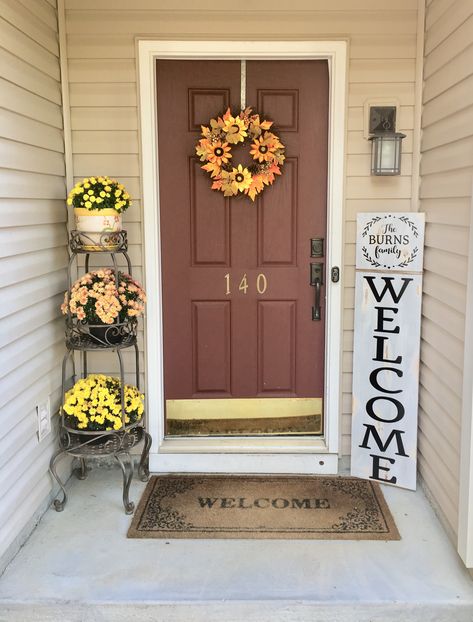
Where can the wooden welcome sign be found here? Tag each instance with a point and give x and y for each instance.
(388, 291)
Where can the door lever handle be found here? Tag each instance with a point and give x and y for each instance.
(316, 280)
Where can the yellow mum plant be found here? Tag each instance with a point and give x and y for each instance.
(99, 193)
(94, 404)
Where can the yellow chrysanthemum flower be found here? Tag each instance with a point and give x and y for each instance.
(113, 195)
(81, 414)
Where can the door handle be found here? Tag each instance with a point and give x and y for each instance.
(316, 280)
(316, 307)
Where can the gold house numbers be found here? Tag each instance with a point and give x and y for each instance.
(261, 284)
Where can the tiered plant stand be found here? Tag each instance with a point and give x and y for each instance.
(84, 338)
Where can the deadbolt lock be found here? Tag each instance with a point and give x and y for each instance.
(317, 247)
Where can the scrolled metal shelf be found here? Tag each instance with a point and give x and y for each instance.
(81, 336)
(99, 443)
(94, 242)
(85, 444)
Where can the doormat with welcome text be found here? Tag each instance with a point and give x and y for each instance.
(303, 507)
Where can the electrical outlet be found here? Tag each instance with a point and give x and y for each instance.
(43, 412)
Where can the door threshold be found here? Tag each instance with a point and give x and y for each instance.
(243, 444)
(274, 463)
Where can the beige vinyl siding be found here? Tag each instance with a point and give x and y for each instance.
(103, 93)
(33, 255)
(446, 183)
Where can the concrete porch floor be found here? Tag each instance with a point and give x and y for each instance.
(78, 566)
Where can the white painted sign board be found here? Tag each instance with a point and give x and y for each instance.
(388, 294)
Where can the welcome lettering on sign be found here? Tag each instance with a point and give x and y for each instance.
(388, 294)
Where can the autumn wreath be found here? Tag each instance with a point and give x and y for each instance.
(215, 148)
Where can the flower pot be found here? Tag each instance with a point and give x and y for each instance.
(102, 443)
(98, 228)
(108, 334)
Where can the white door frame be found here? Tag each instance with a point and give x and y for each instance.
(240, 454)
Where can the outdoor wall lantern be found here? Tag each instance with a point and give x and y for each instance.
(386, 143)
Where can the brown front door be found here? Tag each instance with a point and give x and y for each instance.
(242, 353)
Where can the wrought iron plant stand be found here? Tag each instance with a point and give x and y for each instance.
(84, 338)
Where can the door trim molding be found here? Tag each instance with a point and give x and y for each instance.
(291, 455)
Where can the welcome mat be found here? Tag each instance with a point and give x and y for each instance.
(303, 507)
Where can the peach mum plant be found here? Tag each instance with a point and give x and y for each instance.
(99, 298)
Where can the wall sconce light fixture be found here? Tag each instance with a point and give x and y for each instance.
(386, 145)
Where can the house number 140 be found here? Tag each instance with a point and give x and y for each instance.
(261, 284)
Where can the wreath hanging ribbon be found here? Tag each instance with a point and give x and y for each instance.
(215, 149)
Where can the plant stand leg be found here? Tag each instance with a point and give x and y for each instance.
(58, 504)
(143, 469)
(124, 460)
(81, 472)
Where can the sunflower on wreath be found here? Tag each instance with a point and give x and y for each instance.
(215, 150)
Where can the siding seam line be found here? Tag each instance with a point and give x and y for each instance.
(450, 60)
(22, 2)
(38, 69)
(49, 101)
(25, 34)
(452, 32)
(53, 34)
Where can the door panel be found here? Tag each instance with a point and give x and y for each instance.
(277, 221)
(276, 352)
(210, 223)
(211, 341)
(237, 303)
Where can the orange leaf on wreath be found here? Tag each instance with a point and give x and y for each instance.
(256, 187)
(212, 168)
(274, 170)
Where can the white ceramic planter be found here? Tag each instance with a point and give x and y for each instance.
(97, 227)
